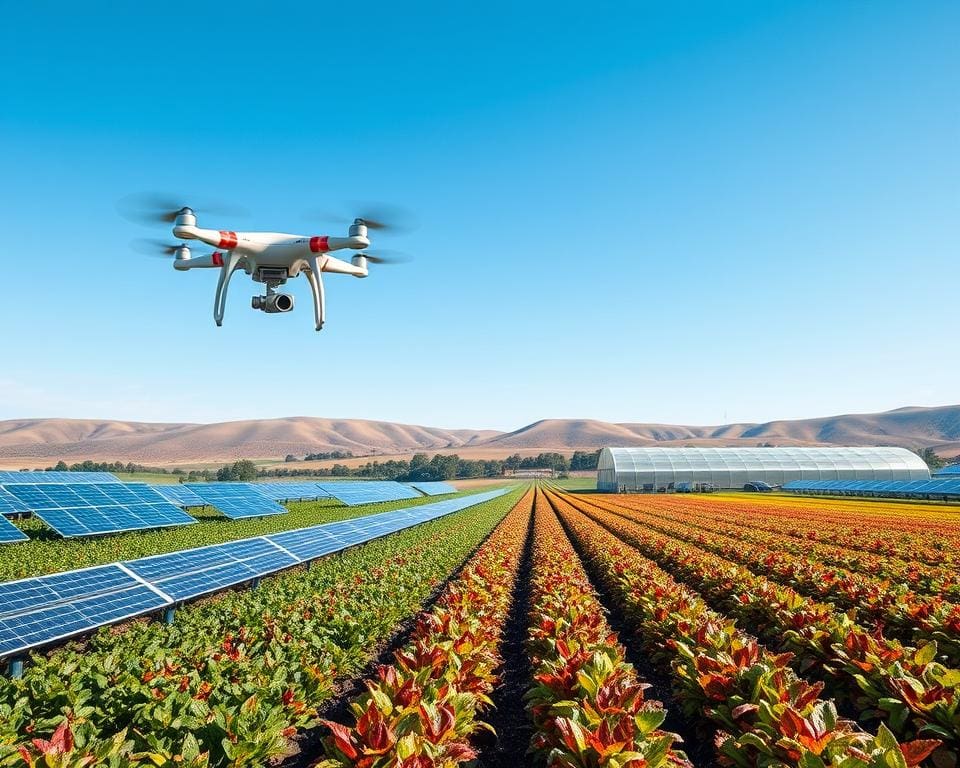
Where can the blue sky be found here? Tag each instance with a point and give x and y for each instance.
(677, 212)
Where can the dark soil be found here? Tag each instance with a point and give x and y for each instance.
(509, 717)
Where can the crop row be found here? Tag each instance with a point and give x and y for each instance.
(50, 553)
(236, 675)
(922, 617)
(914, 694)
(904, 531)
(422, 710)
(925, 578)
(767, 715)
(587, 704)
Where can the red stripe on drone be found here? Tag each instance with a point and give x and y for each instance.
(319, 244)
(228, 240)
(217, 259)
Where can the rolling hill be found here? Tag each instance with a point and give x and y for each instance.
(41, 442)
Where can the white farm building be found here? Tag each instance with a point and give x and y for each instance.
(650, 469)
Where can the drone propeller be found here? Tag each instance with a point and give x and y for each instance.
(152, 208)
(378, 216)
(157, 248)
(384, 256)
(153, 247)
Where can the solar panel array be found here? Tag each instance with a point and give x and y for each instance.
(7, 478)
(179, 494)
(354, 492)
(937, 487)
(9, 533)
(195, 572)
(951, 470)
(433, 488)
(291, 491)
(49, 608)
(90, 509)
(236, 500)
(10, 504)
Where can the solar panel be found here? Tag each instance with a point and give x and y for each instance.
(434, 488)
(7, 478)
(236, 500)
(10, 504)
(195, 572)
(89, 509)
(292, 491)
(308, 543)
(179, 494)
(40, 610)
(951, 470)
(9, 533)
(353, 492)
(890, 488)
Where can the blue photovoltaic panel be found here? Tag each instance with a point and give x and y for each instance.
(951, 470)
(434, 488)
(179, 494)
(41, 610)
(195, 572)
(10, 504)
(353, 492)
(88, 509)
(9, 533)
(308, 543)
(291, 491)
(49, 608)
(34, 478)
(236, 500)
(937, 487)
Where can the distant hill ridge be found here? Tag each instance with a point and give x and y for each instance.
(36, 442)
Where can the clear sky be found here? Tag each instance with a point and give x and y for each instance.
(679, 212)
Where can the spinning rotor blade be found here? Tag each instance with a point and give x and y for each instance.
(383, 256)
(158, 248)
(153, 247)
(154, 208)
(376, 216)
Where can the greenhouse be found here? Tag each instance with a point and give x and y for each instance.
(656, 469)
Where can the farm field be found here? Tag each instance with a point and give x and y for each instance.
(586, 630)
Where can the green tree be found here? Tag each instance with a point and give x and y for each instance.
(932, 459)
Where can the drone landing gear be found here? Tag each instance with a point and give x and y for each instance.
(316, 285)
(230, 262)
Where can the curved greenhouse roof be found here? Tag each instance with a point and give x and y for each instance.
(650, 469)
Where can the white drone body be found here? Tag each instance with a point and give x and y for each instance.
(270, 258)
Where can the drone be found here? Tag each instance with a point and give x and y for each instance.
(269, 258)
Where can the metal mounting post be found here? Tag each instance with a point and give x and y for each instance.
(16, 667)
(168, 614)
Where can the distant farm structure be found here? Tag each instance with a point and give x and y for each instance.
(531, 472)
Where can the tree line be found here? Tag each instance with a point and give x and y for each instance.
(420, 467)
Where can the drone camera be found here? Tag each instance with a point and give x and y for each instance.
(273, 303)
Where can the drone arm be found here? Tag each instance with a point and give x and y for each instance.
(199, 262)
(344, 267)
(316, 285)
(230, 262)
